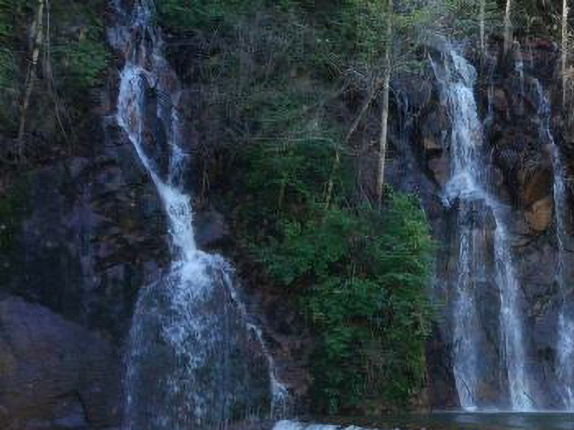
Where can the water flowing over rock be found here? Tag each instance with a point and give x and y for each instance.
(296, 425)
(565, 344)
(468, 187)
(195, 358)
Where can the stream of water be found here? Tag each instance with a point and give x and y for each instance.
(189, 360)
(468, 187)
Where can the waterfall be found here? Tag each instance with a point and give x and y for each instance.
(190, 361)
(565, 347)
(457, 94)
(468, 185)
(519, 67)
(511, 321)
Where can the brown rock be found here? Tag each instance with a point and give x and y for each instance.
(539, 217)
(537, 186)
(430, 144)
(440, 169)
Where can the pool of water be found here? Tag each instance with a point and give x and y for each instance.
(497, 420)
(459, 420)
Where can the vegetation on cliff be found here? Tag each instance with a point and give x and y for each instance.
(288, 104)
(53, 55)
(292, 90)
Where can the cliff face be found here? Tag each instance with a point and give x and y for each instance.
(82, 234)
(519, 107)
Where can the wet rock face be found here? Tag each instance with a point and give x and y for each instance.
(193, 362)
(84, 236)
(54, 373)
(520, 172)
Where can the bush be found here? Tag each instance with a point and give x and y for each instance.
(72, 61)
(362, 278)
(358, 274)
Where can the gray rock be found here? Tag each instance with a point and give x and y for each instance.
(210, 227)
(52, 370)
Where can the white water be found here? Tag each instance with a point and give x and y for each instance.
(565, 347)
(297, 425)
(457, 92)
(177, 308)
(511, 322)
(468, 184)
(519, 67)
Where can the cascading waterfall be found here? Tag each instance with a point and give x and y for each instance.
(511, 323)
(519, 67)
(458, 96)
(187, 362)
(565, 347)
(468, 184)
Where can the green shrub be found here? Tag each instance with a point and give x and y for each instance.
(359, 275)
(81, 64)
(364, 276)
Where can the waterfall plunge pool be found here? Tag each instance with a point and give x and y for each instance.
(444, 420)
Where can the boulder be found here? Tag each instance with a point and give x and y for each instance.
(430, 144)
(539, 216)
(210, 228)
(537, 185)
(54, 373)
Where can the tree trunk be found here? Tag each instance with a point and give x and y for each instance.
(385, 108)
(337, 161)
(366, 104)
(336, 166)
(564, 49)
(507, 26)
(31, 76)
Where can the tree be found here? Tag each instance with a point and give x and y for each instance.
(385, 106)
(35, 44)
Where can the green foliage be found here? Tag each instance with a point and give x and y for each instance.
(81, 64)
(78, 46)
(364, 277)
(208, 14)
(271, 79)
(9, 90)
(359, 275)
(72, 60)
(461, 18)
(11, 11)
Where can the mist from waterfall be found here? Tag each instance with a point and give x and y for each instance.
(467, 187)
(187, 363)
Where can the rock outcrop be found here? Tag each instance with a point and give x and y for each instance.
(53, 373)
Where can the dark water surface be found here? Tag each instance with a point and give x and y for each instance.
(466, 421)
